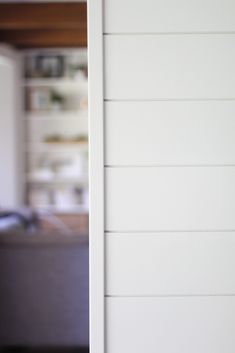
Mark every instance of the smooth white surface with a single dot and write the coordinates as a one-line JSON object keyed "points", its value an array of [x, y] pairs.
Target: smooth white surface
{"points": [[169, 133], [10, 131], [150, 16], [169, 67], [96, 177], [170, 264], [170, 199], [171, 325]]}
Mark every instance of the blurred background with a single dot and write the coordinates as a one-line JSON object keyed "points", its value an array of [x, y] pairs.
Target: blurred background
{"points": [[44, 204]]}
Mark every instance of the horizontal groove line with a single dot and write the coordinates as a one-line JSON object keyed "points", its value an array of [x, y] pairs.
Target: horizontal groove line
{"points": [[164, 33], [170, 166], [168, 231], [169, 296], [142, 100]]}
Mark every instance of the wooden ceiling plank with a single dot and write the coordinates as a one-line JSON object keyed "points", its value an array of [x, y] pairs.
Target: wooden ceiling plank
{"points": [[44, 38], [43, 15]]}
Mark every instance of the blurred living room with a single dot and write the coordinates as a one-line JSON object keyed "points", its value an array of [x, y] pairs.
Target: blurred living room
{"points": [[44, 207]]}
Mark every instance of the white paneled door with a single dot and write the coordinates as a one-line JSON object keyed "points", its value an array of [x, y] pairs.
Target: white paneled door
{"points": [[162, 136]]}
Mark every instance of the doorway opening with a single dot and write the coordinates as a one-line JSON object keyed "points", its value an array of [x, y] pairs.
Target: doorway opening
{"points": [[44, 208]]}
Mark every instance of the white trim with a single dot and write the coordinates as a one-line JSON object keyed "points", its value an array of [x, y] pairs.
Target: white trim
{"points": [[96, 177], [8, 53]]}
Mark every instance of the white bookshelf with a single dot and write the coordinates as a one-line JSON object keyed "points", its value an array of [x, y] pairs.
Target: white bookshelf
{"points": [[57, 82], [57, 137], [64, 210], [32, 147], [65, 114]]}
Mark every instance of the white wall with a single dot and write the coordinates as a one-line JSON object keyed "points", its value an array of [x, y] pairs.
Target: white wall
{"points": [[169, 176], [11, 185]]}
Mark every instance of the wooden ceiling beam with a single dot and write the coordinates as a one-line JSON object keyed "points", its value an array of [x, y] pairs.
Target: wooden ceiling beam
{"points": [[23, 39], [43, 16]]}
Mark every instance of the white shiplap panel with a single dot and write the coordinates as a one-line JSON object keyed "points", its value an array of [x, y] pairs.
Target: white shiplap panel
{"points": [[169, 133], [171, 325], [170, 198], [150, 16], [169, 67], [170, 264]]}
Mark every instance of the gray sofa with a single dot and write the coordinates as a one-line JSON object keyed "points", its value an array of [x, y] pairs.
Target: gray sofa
{"points": [[43, 290]]}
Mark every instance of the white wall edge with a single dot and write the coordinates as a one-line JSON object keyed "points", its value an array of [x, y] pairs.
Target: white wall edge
{"points": [[96, 175], [9, 54]]}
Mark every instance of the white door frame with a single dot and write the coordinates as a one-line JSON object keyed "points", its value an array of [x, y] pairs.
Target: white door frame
{"points": [[96, 175]]}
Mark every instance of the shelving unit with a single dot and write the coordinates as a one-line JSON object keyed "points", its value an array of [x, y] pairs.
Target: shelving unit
{"points": [[56, 146], [53, 147], [48, 82], [65, 114]]}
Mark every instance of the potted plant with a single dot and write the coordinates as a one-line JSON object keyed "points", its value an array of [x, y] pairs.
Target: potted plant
{"points": [[57, 101]]}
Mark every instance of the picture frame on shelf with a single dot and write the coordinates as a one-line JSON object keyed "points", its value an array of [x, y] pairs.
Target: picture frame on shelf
{"points": [[51, 66]]}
